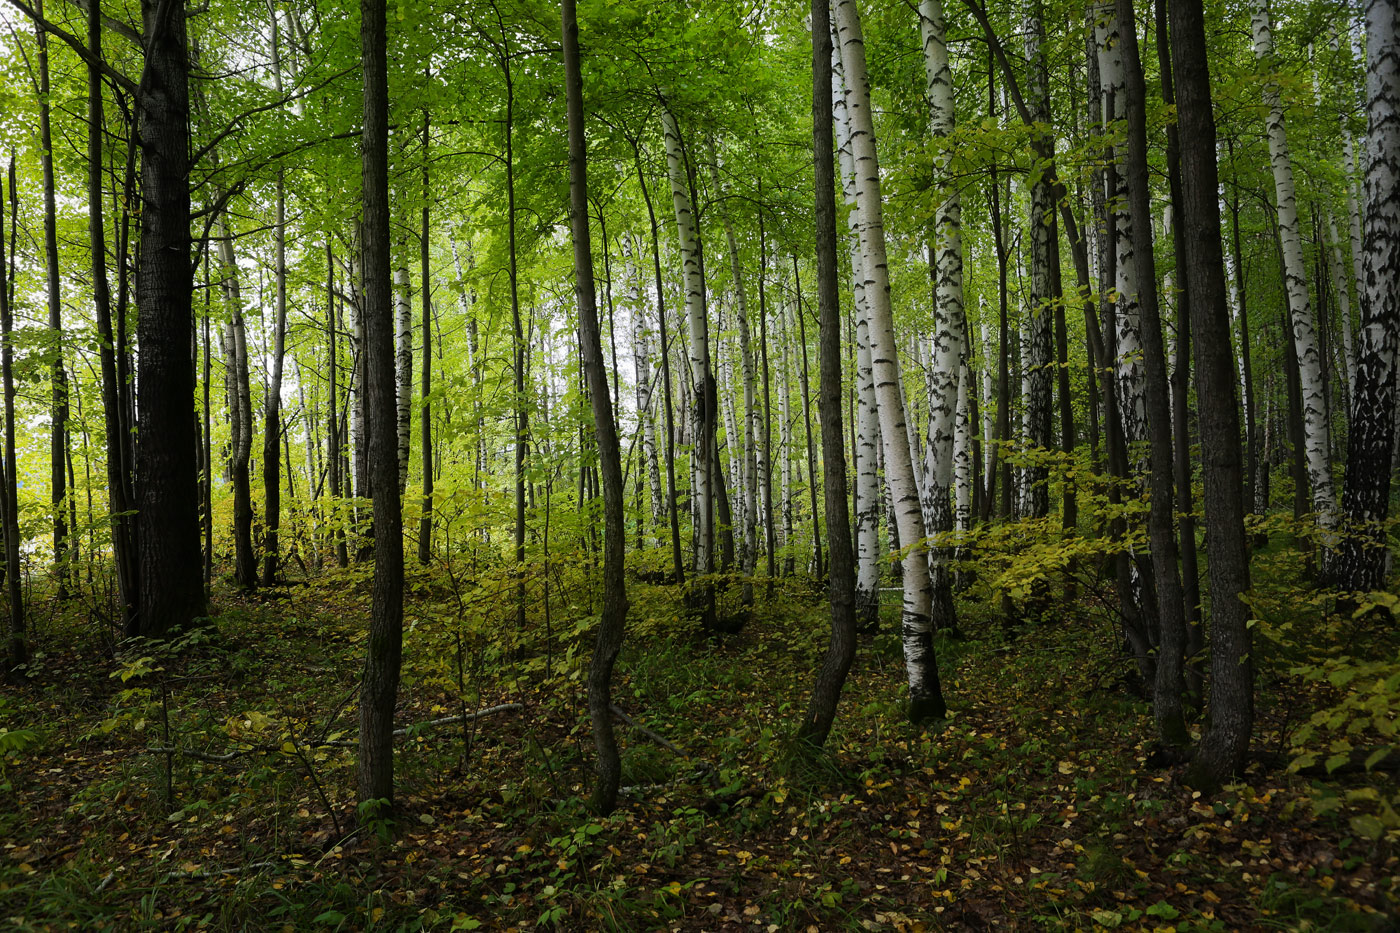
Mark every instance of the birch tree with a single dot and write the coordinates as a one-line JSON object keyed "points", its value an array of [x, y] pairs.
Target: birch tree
{"points": [[948, 331], [702, 383], [869, 497], [1305, 335], [925, 691], [1361, 564]]}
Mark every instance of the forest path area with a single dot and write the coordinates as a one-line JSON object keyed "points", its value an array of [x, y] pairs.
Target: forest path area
{"points": [[1033, 808]]}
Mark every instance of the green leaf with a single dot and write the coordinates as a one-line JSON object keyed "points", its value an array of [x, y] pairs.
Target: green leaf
{"points": [[1367, 826]]}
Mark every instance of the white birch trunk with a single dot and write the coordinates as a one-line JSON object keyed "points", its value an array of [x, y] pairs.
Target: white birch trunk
{"points": [[869, 497], [747, 462], [1040, 356], [1130, 383], [698, 339], [989, 426], [962, 453], [925, 692], [946, 362], [1305, 337], [641, 356]]}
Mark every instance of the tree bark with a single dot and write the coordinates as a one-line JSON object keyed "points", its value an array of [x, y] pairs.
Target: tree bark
{"points": [[120, 496], [841, 648], [384, 647], [1361, 564], [58, 410], [425, 522], [869, 497], [167, 471], [948, 351], [1305, 335], [240, 408], [614, 614], [9, 482], [1167, 706], [925, 692], [1226, 744], [703, 392]]}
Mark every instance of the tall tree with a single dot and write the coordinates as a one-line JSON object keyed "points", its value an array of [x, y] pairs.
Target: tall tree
{"points": [[841, 648], [9, 475], [948, 331], [925, 691], [1361, 563], [272, 407], [703, 390], [610, 625], [58, 415], [1224, 748], [1171, 725], [425, 523], [1304, 326], [167, 469], [384, 648]]}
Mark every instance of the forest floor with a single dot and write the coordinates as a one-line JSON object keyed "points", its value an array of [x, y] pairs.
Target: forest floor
{"points": [[1034, 807]]}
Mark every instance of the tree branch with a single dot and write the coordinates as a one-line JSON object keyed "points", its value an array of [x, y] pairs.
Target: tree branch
{"points": [[87, 56]]}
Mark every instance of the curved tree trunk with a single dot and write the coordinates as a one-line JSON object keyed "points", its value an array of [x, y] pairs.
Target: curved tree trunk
{"points": [[240, 409]]}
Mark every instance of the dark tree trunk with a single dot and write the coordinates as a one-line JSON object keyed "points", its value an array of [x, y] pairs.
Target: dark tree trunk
{"points": [[841, 649], [120, 499], [1223, 751], [9, 482], [334, 456], [167, 470], [383, 650], [1181, 438], [1167, 708], [272, 406], [614, 615], [206, 491], [425, 523], [58, 376]]}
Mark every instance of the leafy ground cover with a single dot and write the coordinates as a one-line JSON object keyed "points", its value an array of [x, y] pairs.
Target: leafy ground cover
{"points": [[1037, 806]]}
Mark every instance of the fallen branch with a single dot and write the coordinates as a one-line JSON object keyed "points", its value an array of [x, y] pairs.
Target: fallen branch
{"points": [[655, 737]]}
